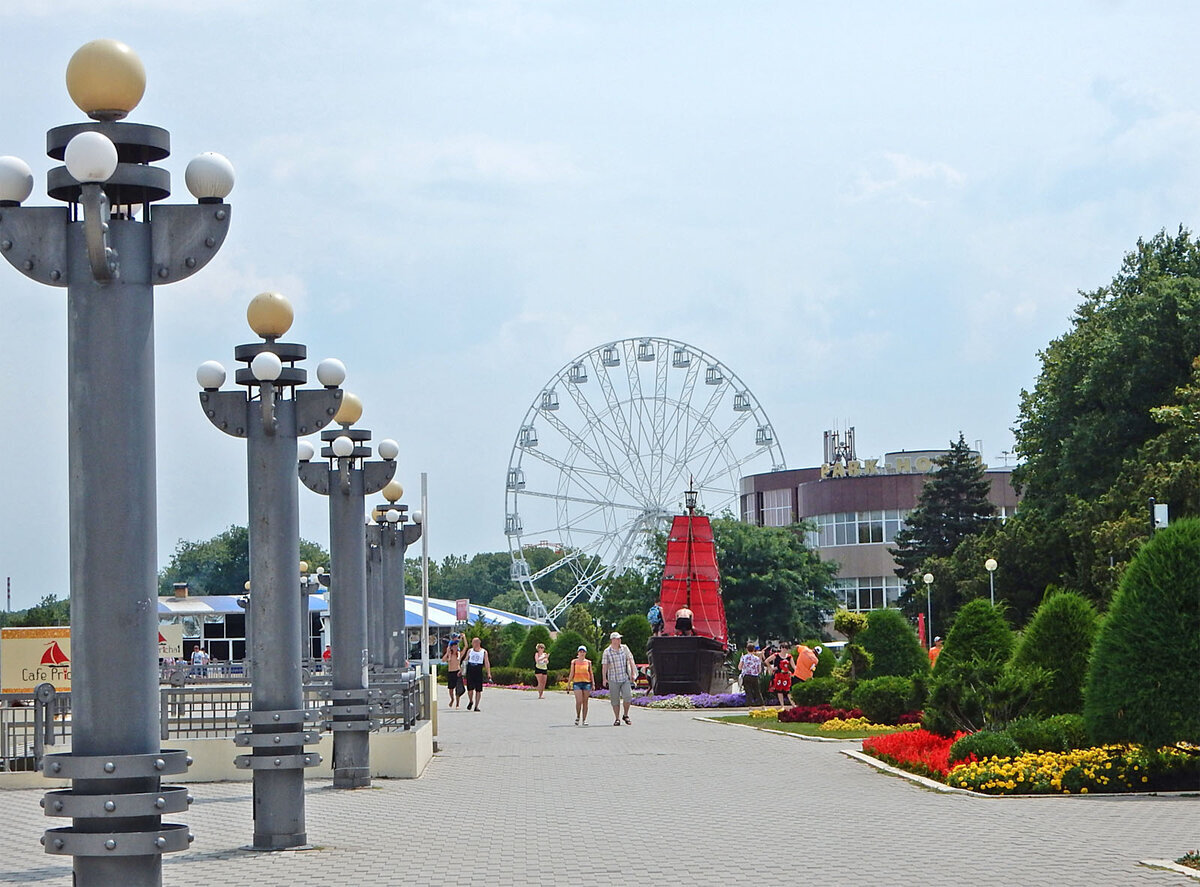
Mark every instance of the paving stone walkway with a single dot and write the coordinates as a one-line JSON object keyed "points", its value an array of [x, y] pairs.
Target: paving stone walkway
{"points": [[520, 796]]}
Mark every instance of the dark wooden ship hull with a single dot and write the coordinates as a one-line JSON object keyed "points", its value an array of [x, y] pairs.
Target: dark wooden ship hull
{"points": [[685, 664]]}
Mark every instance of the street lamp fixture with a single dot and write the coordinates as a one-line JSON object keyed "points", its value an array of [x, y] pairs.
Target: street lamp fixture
{"points": [[928, 580], [990, 565], [110, 245], [347, 478], [272, 414]]}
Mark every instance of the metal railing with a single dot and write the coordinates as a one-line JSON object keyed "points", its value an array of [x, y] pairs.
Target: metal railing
{"points": [[28, 722]]}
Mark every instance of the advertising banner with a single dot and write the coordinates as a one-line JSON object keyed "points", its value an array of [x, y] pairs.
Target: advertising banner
{"points": [[462, 609], [170, 641], [32, 656]]}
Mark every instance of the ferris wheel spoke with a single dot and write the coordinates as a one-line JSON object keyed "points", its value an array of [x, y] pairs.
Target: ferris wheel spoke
{"points": [[734, 466], [702, 421], [583, 446], [599, 431], [623, 433], [682, 426], [578, 475], [604, 503], [660, 416], [718, 446]]}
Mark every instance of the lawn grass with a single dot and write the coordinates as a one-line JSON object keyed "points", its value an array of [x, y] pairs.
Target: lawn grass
{"points": [[802, 729]]}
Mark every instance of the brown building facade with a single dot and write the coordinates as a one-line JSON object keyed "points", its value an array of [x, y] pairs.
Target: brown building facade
{"points": [[857, 507]]}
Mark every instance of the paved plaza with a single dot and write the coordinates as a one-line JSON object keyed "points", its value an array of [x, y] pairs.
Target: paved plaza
{"points": [[518, 795]]}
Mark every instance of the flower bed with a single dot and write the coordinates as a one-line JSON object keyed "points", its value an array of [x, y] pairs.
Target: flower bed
{"points": [[917, 751], [698, 700], [1107, 768], [816, 714]]}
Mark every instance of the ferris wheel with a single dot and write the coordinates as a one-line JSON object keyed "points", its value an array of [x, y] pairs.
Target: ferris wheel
{"points": [[608, 447]]}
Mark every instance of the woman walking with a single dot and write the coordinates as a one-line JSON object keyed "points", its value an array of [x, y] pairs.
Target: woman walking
{"points": [[541, 667], [477, 662], [581, 681]]}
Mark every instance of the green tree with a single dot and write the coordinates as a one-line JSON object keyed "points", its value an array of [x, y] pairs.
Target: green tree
{"points": [[1059, 639], [893, 644], [506, 642], [48, 611], [953, 505], [1130, 346], [221, 565], [629, 593], [1142, 684], [565, 647], [581, 621], [635, 632], [773, 584]]}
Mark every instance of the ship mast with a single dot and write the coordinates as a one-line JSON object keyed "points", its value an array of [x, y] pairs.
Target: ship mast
{"points": [[689, 501]]}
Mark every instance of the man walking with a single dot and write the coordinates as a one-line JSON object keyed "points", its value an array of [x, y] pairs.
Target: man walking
{"points": [[617, 670], [751, 666]]}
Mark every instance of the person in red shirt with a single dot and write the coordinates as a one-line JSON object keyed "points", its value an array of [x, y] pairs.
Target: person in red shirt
{"points": [[935, 651], [806, 661]]}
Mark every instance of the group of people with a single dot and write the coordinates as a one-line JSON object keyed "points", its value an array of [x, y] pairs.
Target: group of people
{"points": [[777, 663], [618, 671], [684, 620]]}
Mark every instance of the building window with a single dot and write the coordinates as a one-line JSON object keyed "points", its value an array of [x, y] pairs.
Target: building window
{"points": [[777, 508], [857, 527], [868, 592]]}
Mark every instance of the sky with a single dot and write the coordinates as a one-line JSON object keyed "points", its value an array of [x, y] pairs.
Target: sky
{"points": [[874, 214]]}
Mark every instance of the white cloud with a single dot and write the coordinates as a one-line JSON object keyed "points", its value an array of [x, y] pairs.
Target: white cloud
{"points": [[899, 176]]}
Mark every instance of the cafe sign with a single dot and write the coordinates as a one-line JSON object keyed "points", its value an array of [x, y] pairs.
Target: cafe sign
{"points": [[32, 656]]}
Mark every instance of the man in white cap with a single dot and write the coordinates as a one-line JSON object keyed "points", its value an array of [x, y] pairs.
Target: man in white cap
{"points": [[617, 671]]}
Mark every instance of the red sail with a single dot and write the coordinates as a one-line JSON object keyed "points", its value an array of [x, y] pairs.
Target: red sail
{"points": [[691, 577], [54, 655]]}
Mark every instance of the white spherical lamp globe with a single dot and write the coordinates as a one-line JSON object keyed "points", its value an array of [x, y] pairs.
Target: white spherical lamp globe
{"points": [[342, 446], [418, 517], [91, 157], [393, 516], [209, 176], [266, 366], [210, 375], [331, 372], [16, 180], [388, 449], [392, 491], [304, 450]]}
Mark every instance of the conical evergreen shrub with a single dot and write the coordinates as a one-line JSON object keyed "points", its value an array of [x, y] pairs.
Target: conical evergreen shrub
{"points": [[566, 646], [979, 632], [970, 674], [1059, 639], [1144, 681], [893, 642]]}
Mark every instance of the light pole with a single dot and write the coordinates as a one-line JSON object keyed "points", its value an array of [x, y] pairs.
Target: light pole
{"points": [[347, 479], [990, 565], [395, 534], [928, 580], [110, 260], [308, 583], [272, 414]]}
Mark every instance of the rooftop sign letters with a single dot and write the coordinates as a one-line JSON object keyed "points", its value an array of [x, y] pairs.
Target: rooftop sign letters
{"points": [[914, 464]]}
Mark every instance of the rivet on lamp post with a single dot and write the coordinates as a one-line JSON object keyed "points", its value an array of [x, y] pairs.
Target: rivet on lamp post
{"points": [[394, 535], [347, 479], [990, 565], [272, 414], [109, 260]]}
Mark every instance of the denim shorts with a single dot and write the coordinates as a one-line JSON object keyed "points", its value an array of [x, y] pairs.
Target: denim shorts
{"points": [[582, 685]]}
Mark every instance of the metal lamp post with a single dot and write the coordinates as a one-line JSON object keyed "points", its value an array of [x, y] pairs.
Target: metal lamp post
{"points": [[928, 580], [347, 479], [990, 565], [110, 260], [271, 415], [395, 534]]}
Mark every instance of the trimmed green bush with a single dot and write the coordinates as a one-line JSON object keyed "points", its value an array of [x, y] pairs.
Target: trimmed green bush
{"points": [[814, 691], [894, 645], [565, 647], [984, 744], [1058, 733], [506, 674], [505, 644], [537, 634], [1142, 685], [883, 699], [635, 632], [979, 632], [1059, 639]]}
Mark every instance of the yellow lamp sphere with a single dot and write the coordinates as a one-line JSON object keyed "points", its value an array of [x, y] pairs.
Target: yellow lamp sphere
{"points": [[106, 79], [350, 411], [303, 566], [393, 491], [247, 585], [269, 315], [377, 515]]}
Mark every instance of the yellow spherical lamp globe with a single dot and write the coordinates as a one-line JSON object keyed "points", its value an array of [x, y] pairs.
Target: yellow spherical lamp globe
{"points": [[106, 79], [393, 491], [270, 315], [350, 411]]}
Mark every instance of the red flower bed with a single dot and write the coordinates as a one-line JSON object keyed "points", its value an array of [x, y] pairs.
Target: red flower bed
{"points": [[917, 751], [816, 714]]}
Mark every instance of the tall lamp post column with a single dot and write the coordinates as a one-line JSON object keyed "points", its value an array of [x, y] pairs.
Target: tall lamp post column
{"points": [[271, 415], [110, 261], [928, 580], [990, 565], [347, 479], [395, 535]]}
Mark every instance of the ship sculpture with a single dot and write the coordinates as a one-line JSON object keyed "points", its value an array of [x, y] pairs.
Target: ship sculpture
{"points": [[683, 660]]}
